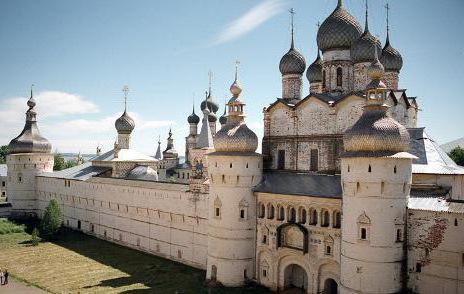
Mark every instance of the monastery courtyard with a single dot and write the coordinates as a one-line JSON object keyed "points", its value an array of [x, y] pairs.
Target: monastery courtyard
{"points": [[79, 263]]}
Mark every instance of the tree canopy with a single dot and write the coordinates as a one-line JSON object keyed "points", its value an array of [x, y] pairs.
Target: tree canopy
{"points": [[3, 153], [457, 154], [52, 219]]}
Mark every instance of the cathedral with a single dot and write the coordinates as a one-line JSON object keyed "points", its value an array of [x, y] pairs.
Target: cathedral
{"points": [[348, 194]]}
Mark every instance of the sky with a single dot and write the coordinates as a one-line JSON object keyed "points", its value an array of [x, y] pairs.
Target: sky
{"points": [[79, 55]]}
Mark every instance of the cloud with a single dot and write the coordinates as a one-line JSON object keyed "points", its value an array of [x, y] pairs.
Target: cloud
{"points": [[249, 21]]}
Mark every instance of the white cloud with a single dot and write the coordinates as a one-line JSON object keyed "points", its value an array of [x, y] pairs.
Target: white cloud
{"points": [[249, 21], [56, 103]]}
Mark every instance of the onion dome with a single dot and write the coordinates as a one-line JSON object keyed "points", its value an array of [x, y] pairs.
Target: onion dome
{"points": [[223, 118], [292, 63], [376, 132], [391, 58], [30, 140], [339, 30], [144, 173], [314, 71], [124, 124], [363, 48], [235, 136], [208, 102], [193, 118]]}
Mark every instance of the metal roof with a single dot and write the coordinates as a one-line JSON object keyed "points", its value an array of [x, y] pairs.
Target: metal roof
{"points": [[435, 204], [123, 155], [432, 159], [305, 184], [80, 172]]}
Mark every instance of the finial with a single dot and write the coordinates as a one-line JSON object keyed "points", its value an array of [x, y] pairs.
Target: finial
{"points": [[340, 3], [32, 88], [125, 90], [31, 101], [159, 139], [387, 7], [193, 103], [210, 76], [292, 14], [235, 87], [237, 63], [366, 28]]}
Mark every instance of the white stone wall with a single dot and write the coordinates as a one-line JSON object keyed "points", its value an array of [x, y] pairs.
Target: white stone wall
{"points": [[21, 183], [435, 252], [3, 181], [291, 86], [160, 218], [391, 79], [318, 263], [232, 217], [360, 77], [375, 193]]}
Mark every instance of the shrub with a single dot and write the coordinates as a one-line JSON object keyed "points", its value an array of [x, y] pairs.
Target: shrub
{"points": [[35, 237], [457, 154], [52, 219], [8, 227]]}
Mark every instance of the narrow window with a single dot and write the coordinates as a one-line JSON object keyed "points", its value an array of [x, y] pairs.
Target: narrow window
{"points": [[281, 213], [418, 267], [314, 160], [179, 254], [348, 168], [3, 184], [394, 169], [264, 273], [370, 168], [337, 219], [399, 235], [223, 179], [217, 211], [325, 219], [92, 228], [264, 239], [247, 165], [363, 234], [230, 165], [270, 211], [323, 79], [313, 220], [78, 224], [292, 217], [242, 213], [104, 233], [455, 222], [339, 77], [281, 159], [328, 250]]}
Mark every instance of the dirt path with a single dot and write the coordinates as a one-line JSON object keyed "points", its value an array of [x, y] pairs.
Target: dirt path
{"points": [[16, 287]]}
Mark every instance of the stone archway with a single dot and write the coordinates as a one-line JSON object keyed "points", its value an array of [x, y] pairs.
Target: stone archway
{"points": [[330, 286], [295, 279]]}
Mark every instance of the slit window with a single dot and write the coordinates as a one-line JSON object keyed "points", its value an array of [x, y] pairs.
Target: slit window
{"points": [[314, 160], [339, 77], [363, 234]]}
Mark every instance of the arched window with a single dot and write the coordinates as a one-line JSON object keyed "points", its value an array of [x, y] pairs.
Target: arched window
{"points": [[339, 77], [325, 218], [262, 211], [313, 217], [217, 207], [302, 215], [337, 219], [281, 213], [323, 79], [270, 211], [292, 215]]}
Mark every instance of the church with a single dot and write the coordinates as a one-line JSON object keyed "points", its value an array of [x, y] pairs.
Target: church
{"points": [[348, 194]]}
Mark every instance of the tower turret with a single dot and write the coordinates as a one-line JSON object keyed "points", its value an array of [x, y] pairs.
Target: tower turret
{"points": [[234, 168], [292, 66], [191, 139], [376, 177], [29, 155], [124, 125]]}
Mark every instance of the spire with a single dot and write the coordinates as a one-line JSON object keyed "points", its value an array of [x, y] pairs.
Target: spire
{"points": [[366, 26], [387, 7], [340, 3], [210, 77], [125, 90], [292, 14], [158, 150], [205, 139]]}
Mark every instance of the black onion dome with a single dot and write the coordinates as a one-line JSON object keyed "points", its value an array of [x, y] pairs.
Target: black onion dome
{"points": [[292, 63], [193, 118], [124, 124], [363, 49], [391, 58], [212, 117], [314, 71], [212, 106], [223, 118], [339, 30]]}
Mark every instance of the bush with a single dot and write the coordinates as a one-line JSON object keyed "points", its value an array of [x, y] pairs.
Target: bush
{"points": [[457, 155], [8, 227], [52, 219], [35, 237]]}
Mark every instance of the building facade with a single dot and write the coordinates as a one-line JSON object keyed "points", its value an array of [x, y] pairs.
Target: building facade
{"points": [[348, 195]]}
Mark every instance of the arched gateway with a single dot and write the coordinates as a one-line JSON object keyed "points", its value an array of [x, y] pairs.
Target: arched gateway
{"points": [[330, 287], [295, 279]]}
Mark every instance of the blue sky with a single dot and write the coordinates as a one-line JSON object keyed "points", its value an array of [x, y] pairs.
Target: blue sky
{"points": [[80, 54]]}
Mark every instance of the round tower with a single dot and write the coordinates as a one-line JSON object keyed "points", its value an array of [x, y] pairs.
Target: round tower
{"points": [[334, 38], [234, 169], [191, 139], [29, 155], [376, 180], [292, 66]]}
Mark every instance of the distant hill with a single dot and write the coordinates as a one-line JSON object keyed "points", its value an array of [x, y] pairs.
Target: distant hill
{"points": [[453, 144]]}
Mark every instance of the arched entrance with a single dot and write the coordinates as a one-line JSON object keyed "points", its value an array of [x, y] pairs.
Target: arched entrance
{"points": [[295, 279], [330, 286]]}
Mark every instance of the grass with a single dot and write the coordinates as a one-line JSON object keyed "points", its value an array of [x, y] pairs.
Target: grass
{"points": [[7, 227], [78, 263]]}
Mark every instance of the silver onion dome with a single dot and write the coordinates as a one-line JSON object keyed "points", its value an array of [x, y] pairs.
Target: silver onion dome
{"points": [[30, 140], [339, 30], [193, 118], [363, 49], [124, 124], [314, 71], [391, 58], [235, 136], [208, 102], [292, 63]]}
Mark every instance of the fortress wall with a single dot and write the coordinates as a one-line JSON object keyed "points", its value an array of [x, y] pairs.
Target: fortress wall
{"points": [[160, 218]]}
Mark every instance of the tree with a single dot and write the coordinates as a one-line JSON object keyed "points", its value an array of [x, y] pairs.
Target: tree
{"points": [[60, 163], [52, 219], [3, 153], [35, 237], [457, 154]]}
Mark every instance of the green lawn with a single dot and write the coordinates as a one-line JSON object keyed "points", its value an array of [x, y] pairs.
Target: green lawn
{"points": [[78, 263]]}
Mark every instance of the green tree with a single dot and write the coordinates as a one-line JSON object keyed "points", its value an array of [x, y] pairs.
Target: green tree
{"points": [[60, 163], [3, 153], [52, 219], [35, 237], [457, 154]]}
